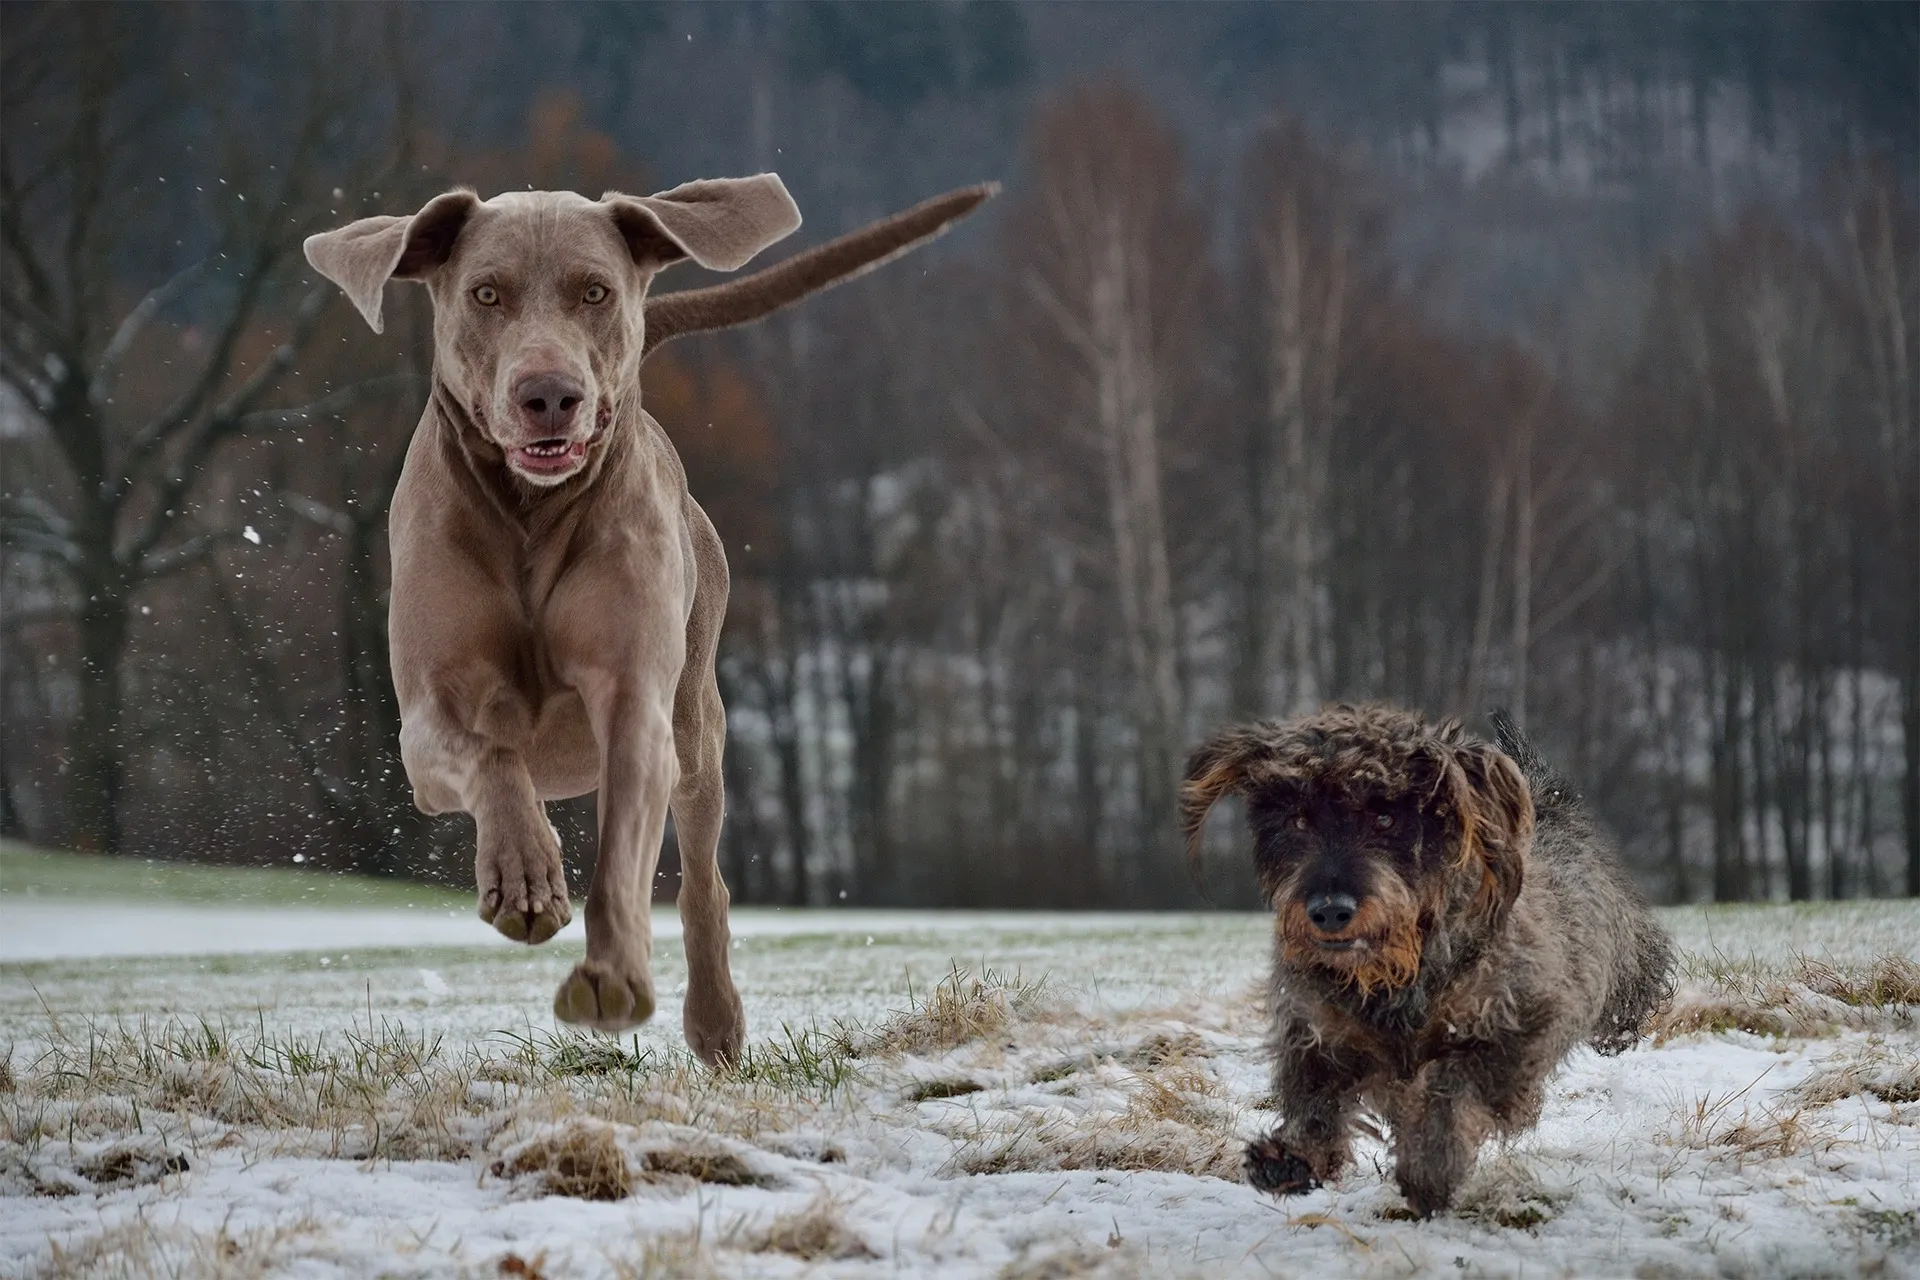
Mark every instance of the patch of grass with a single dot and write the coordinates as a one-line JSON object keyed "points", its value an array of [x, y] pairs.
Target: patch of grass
{"points": [[1807, 998], [1889, 981], [1171, 1124], [680, 1255], [1506, 1192], [1895, 1228], [1776, 1132], [813, 1062], [712, 1165], [142, 1249], [582, 1160], [1074, 1262], [932, 1090], [1872, 1070], [962, 1008], [816, 1233], [40, 873], [1160, 1048]]}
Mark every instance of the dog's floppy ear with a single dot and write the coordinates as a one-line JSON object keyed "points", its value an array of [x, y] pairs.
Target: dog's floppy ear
{"points": [[1217, 768], [362, 256], [719, 223], [1494, 809]]}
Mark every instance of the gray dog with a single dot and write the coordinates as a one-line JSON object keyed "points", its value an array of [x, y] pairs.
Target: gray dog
{"points": [[1450, 924], [557, 592]]}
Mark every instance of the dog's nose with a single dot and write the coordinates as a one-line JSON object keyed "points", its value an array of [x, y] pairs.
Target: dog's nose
{"points": [[548, 400], [1331, 912]]}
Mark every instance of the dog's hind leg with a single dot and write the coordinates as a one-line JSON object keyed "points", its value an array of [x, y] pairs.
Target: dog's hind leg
{"points": [[713, 1019]]}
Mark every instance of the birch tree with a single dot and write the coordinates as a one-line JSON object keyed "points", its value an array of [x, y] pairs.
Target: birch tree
{"points": [[1110, 252]]}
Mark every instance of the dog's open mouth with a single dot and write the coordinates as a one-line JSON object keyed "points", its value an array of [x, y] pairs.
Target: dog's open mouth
{"points": [[1341, 944], [550, 457]]}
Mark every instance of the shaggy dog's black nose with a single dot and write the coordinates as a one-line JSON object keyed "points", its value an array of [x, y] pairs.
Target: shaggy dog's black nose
{"points": [[548, 400], [1331, 912]]}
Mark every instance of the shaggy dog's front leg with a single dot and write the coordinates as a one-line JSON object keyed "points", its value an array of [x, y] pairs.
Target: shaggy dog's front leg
{"points": [[1439, 1121], [1318, 1089]]}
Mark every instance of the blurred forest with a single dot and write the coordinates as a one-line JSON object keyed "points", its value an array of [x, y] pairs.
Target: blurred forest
{"points": [[1558, 356]]}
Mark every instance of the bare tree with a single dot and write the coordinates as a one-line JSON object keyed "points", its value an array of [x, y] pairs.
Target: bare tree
{"points": [[86, 105], [1111, 255]]}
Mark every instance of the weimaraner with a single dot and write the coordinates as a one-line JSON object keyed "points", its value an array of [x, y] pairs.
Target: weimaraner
{"points": [[557, 594]]}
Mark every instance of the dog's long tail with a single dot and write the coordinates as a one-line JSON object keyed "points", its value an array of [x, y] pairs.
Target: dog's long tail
{"points": [[722, 306]]}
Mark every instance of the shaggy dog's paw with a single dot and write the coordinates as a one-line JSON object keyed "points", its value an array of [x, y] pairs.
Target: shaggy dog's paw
{"points": [[595, 995], [1425, 1196], [523, 884], [715, 1024], [1277, 1171]]}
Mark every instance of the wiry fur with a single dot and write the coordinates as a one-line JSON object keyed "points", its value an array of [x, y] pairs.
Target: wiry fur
{"points": [[1495, 930]]}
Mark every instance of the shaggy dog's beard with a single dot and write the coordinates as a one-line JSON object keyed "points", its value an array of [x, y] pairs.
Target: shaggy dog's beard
{"points": [[1384, 934]]}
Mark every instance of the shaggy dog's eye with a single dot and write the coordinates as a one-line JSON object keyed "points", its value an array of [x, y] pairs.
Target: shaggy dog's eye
{"points": [[1299, 822], [1384, 821], [596, 294], [487, 296]]}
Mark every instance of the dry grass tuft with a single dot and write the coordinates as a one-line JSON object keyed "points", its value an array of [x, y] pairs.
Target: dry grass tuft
{"points": [[1811, 998], [143, 1250], [1890, 981], [1507, 1192], [673, 1256], [132, 1163], [1074, 1262], [1160, 1048], [582, 1160], [816, 1233], [1777, 1132], [705, 1164], [1873, 1071], [1171, 1124], [961, 1009], [933, 1090]]}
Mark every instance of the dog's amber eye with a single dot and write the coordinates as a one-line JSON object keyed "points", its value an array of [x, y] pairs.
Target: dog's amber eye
{"points": [[596, 294], [1384, 821], [487, 296], [1299, 822]]}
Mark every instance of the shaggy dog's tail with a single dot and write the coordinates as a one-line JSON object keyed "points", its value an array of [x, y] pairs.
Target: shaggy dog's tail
{"points": [[737, 302]]}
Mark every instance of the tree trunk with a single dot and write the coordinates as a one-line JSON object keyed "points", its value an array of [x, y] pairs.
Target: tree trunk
{"points": [[98, 767]]}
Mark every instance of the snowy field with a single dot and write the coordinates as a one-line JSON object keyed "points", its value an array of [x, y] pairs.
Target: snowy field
{"points": [[376, 1089]]}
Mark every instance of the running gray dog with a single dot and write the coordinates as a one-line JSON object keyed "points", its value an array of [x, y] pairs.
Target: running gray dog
{"points": [[557, 594]]}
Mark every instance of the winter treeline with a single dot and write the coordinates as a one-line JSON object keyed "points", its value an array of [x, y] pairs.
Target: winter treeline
{"points": [[1575, 375]]}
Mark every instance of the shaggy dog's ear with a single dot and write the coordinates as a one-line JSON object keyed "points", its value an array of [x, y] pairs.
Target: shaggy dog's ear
{"points": [[1217, 768], [1494, 811], [362, 256], [719, 223]]}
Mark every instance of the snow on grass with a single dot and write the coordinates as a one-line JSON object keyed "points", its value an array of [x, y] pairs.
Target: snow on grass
{"points": [[974, 1095]]}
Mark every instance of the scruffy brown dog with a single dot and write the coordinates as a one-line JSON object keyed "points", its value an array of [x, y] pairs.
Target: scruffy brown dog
{"points": [[1447, 928]]}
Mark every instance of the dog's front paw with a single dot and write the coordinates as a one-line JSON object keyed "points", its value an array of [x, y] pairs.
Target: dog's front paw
{"points": [[523, 884], [1277, 1171], [1425, 1195], [596, 995]]}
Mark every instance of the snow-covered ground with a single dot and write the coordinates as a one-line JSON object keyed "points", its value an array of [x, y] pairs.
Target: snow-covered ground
{"points": [[221, 1091]]}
